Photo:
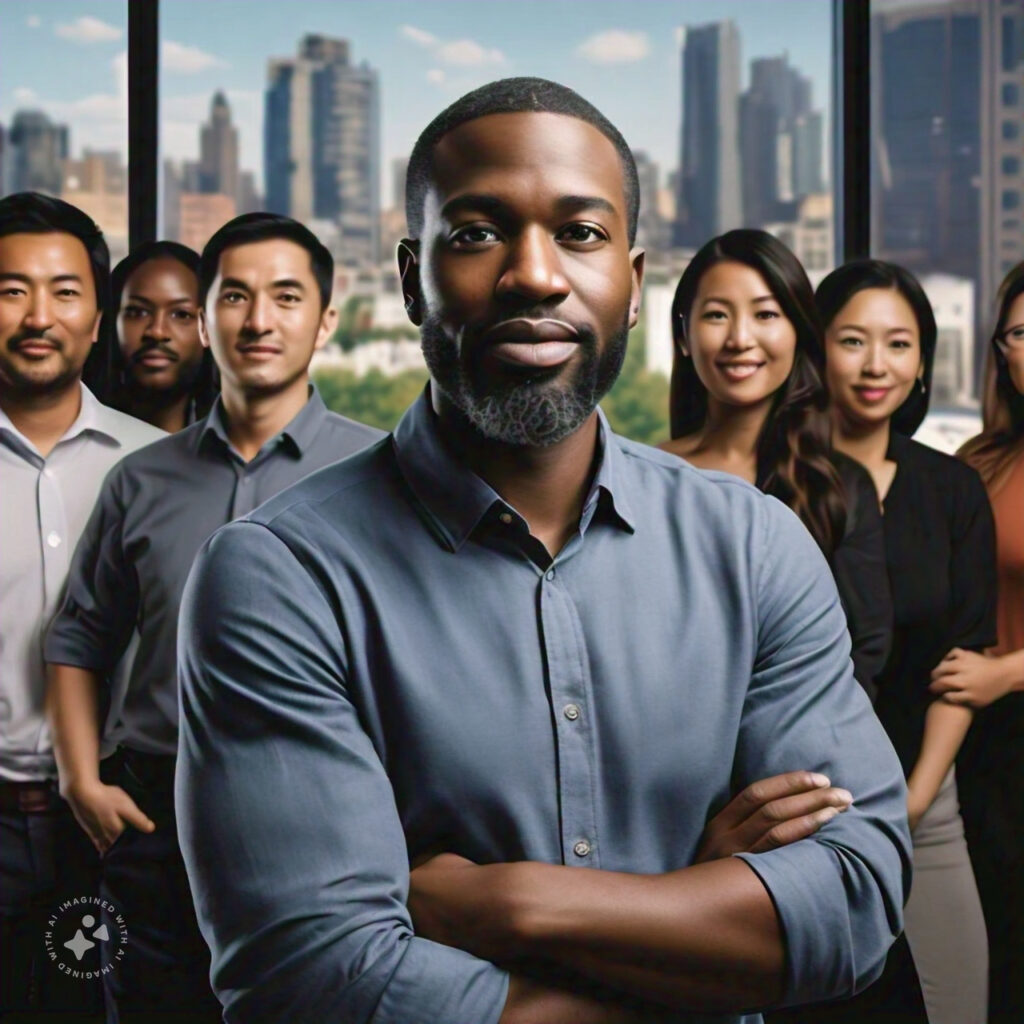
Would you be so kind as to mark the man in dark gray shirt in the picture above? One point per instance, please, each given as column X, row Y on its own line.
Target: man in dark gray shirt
column 265, row 285
column 527, row 657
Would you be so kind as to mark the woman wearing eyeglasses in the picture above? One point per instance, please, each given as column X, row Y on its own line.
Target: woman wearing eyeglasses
column 990, row 770
column 880, row 339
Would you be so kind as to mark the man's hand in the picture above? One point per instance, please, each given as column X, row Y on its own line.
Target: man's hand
column 771, row 813
column 104, row 812
column 969, row 678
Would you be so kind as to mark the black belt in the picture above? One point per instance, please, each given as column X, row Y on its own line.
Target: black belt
column 29, row 797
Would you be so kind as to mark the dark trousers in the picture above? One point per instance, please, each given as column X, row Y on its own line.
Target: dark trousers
column 165, row 975
column 46, row 862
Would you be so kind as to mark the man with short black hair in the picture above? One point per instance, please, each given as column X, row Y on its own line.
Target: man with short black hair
column 456, row 712
column 265, row 285
column 57, row 443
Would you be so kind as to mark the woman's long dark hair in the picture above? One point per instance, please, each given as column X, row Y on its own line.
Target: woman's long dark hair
column 836, row 290
column 1002, row 436
column 794, row 446
column 105, row 372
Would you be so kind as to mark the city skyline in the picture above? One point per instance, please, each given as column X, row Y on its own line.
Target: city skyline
column 623, row 57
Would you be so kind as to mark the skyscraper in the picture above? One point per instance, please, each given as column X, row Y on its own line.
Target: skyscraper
column 709, row 180
column 218, row 151
column 38, row 151
column 322, row 143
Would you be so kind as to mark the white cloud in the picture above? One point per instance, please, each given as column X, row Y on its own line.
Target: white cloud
column 463, row 53
column 187, row 60
column 467, row 53
column 24, row 95
column 616, row 46
column 33, row 21
column 435, row 75
column 418, row 35
column 88, row 30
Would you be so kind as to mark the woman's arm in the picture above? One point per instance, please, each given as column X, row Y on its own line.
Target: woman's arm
column 945, row 727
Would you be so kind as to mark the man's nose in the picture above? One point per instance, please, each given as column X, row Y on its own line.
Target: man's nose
column 158, row 327
column 259, row 317
column 39, row 315
column 533, row 268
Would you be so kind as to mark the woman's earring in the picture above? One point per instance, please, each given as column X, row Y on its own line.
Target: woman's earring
column 921, row 384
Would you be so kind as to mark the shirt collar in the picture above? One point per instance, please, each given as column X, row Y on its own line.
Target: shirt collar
column 298, row 435
column 455, row 499
column 92, row 417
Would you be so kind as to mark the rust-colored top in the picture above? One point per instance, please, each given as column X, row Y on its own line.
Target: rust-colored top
column 1008, row 508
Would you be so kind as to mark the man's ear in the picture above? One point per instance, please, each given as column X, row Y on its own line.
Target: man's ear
column 96, row 327
column 408, row 254
column 204, row 333
column 328, row 323
column 636, row 258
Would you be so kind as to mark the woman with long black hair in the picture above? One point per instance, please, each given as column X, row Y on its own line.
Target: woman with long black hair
column 748, row 398
column 880, row 339
column 149, row 361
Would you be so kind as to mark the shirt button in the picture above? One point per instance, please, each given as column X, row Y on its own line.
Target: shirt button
column 551, row 574
column 571, row 711
column 506, row 517
column 53, row 539
column 582, row 848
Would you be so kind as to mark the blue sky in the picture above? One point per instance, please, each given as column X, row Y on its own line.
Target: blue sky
column 67, row 56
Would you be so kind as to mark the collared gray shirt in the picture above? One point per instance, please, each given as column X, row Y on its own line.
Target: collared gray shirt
column 381, row 663
column 44, row 504
column 153, row 514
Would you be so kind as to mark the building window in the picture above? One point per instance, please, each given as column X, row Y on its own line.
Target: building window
column 1010, row 165
column 1011, row 130
column 1011, row 200
column 1010, row 94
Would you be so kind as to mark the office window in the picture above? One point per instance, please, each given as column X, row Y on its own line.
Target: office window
column 313, row 109
column 937, row 200
column 64, row 106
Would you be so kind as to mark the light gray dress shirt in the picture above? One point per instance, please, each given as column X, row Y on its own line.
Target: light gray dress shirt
column 152, row 516
column 382, row 662
column 44, row 504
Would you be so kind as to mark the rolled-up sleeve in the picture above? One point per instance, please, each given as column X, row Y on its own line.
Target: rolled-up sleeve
column 839, row 895
column 286, row 818
column 96, row 620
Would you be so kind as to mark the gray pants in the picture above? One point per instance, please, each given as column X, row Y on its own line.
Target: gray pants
column 944, row 923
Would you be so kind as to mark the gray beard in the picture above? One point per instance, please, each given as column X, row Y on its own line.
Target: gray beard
column 533, row 412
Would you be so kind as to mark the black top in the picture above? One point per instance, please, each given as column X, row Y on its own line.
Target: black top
column 940, row 549
column 859, row 568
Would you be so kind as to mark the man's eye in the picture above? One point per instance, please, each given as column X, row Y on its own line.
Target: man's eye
column 232, row 297
column 67, row 293
column 12, row 289
column 289, row 298
column 183, row 314
column 581, row 233
column 473, row 235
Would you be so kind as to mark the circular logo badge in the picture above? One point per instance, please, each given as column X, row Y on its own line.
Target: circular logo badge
column 86, row 937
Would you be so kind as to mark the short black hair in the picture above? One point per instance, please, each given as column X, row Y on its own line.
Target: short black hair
column 512, row 96
column 260, row 227
column 35, row 214
column 844, row 282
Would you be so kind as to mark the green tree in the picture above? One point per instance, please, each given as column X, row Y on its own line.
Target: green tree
column 375, row 398
column 637, row 406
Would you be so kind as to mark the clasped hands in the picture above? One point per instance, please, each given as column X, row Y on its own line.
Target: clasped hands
column 488, row 911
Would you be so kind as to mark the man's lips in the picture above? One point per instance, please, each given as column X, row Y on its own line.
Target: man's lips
column 259, row 350
column 155, row 358
column 35, row 348
column 539, row 344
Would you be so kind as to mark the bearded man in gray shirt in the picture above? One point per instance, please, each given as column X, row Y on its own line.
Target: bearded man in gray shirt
column 265, row 286
column 456, row 712
column 57, row 443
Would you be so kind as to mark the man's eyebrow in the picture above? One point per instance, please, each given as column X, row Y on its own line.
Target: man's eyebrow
column 14, row 275
column 491, row 204
column 233, row 282
column 289, row 282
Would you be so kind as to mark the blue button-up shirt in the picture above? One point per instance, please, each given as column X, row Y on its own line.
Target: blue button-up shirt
column 380, row 663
